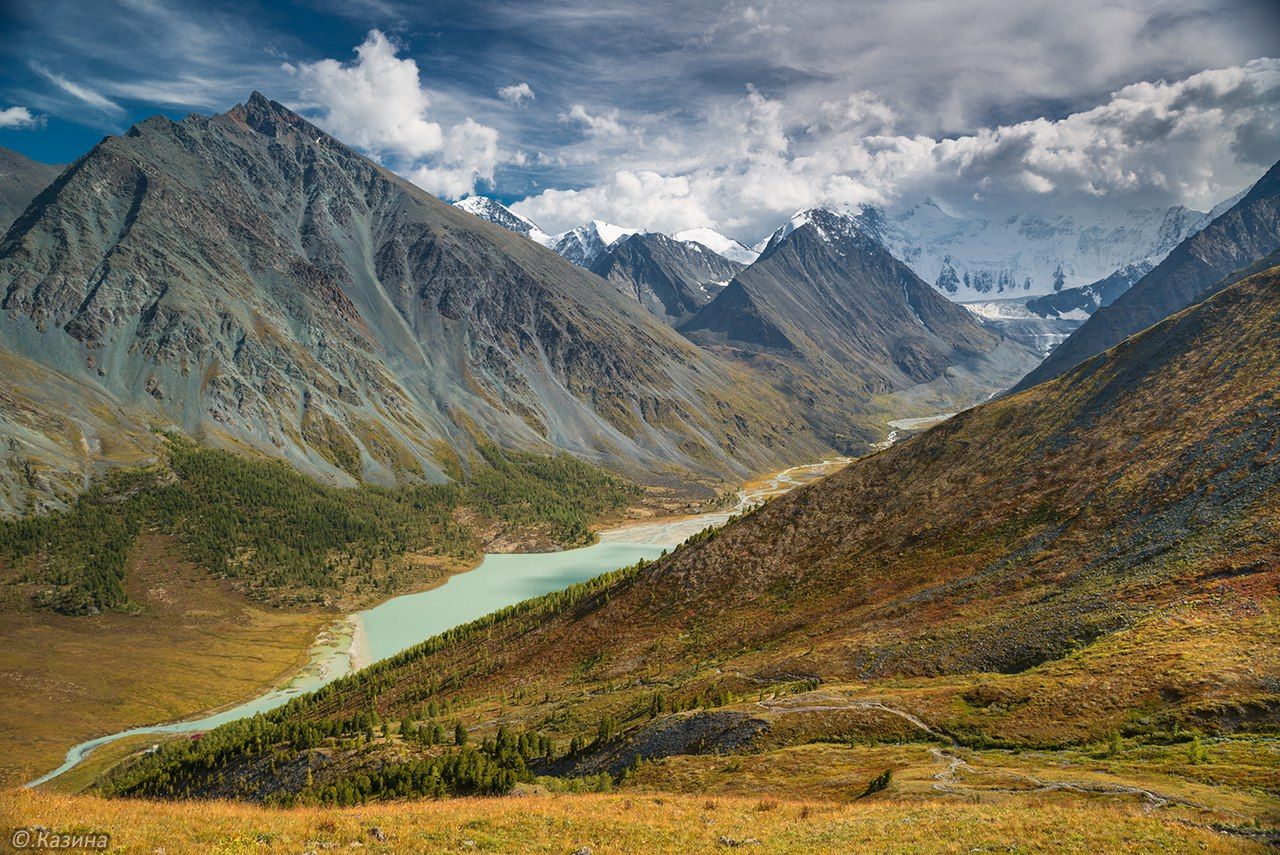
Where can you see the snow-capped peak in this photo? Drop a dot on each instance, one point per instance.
(831, 224)
(719, 244)
(585, 244)
(1021, 255)
(500, 215)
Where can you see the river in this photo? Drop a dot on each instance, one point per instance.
(499, 580)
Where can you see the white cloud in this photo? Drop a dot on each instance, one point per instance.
(15, 118)
(83, 93)
(469, 154)
(378, 104)
(516, 93)
(1192, 141)
(602, 124)
(862, 111)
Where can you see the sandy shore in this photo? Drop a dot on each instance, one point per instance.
(670, 531)
(358, 650)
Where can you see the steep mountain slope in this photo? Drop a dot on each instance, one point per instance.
(670, 278)
(1094, 556)
(501, 215)
(827, 309)
(21, 178)
(1247, 232)
(254, 281)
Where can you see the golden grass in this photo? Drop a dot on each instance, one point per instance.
(195, 645)
(621, 824)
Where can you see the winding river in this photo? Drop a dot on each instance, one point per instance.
(498, 581)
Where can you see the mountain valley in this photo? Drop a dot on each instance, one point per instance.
(609, 429)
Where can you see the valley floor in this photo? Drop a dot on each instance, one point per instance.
(196, 644)
(638, 822)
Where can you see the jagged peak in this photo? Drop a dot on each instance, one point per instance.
(829, 224)
(273, 119)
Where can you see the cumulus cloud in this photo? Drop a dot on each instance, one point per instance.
(1194, 141)
(17, 118)
(516, 93)
(469, 154)
(378, 104)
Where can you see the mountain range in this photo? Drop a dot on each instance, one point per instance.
(250, 281)
(1025, 255)
(1043, 573)
(1242, 235)
(1068, 265)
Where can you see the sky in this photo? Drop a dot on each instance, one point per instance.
(671, 115)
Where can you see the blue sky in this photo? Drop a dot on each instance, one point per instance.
(677, 114)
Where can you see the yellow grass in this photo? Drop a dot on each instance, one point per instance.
(623, 823)
(195, 645)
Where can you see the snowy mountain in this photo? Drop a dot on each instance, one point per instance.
(587, 243)
(1022, 255)
(671, 278)
(721, 245)
(829, 224)
(501, 215)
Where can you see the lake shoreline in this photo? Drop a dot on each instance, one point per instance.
(359, 639)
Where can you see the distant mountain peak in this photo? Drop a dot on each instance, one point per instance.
(718, 243)
(499, 214)
(1022, 255)
(669, 277)
(830, 224)
(588, 242)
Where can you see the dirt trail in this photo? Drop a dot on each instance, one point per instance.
(948, 778)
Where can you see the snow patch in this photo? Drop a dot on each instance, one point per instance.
(719, 244)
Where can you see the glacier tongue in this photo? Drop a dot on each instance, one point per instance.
(1011, 317)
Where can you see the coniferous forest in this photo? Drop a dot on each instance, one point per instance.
(287, 538)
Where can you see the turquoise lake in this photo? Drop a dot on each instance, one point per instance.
(498, 581)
